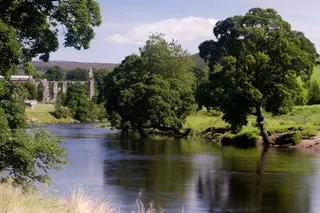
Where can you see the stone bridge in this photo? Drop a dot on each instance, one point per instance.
(51, 89)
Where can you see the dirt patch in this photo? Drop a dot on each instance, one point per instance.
(311, 145)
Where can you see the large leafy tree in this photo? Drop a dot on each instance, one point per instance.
(29, 29)
(256, 63)
(153, 90)
(55, 74)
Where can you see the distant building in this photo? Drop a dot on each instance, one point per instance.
(19, 78)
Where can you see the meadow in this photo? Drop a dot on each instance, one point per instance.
(43, 114)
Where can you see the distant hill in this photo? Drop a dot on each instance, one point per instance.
(69, 65)
(198, 60)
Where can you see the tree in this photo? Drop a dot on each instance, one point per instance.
(99, 75)
(256, 62)
(29, 69)
(19, 150)
(314, 93)
(31, 90)
(77, 100)
(55, 74)
(30, 29)
(153, 90)
(78, 74)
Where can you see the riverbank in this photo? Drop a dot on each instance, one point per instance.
(14, 200)
(303, 120)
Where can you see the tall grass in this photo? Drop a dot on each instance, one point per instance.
(14, 200)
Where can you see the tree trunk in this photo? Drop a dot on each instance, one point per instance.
(260, 168)
(260, 123)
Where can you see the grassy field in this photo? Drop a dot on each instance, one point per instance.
(42, 113)
(303, 118)
(14, 200)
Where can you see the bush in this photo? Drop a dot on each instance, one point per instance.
(62, 112)
(97, 112)
(314, 93)
(243, 140)
(289, 138)
(31, 90)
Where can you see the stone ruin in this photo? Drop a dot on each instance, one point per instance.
(51, 89)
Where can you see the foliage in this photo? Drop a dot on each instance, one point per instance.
(20, 149)
(31, 90)
(289, 138)
(204, 96)
(76, 103)
(201, 74)
(256, 63)
(29, 69)
(99, 75)
(31, 28)
(314, 93)
(55, 74)
(9, 48)
(77, 100)
(62, 112)
(153, 90)
(39, 75)
(78, 74)
(243, 140)
(97, 112)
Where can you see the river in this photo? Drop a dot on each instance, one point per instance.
(184, 174)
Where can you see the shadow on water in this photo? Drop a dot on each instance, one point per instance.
(200, 177)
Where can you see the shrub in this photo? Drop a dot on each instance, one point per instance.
(243, 140)
(289, 138)
(97, 112)
(62, 112)
(31, 90)
(314, 93)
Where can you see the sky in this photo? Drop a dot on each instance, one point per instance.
(127, 24)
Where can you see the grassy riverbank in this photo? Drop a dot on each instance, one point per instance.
(13, 200)
(43, 114)
(305, 119)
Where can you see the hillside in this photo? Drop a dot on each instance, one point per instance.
(69, 65)
(198, 60)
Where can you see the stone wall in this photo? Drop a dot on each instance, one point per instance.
(51, 89)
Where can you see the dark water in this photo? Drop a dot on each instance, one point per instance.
(199, 178)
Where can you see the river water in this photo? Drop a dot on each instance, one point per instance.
(184, 174)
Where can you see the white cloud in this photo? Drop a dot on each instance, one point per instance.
(184, 29)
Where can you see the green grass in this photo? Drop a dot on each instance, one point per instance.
(304, 119)
(42, 113)
(316, 73)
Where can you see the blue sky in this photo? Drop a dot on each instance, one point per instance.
(127, 24)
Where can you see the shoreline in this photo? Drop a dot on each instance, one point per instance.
(311, 145)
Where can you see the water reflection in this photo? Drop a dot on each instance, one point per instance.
(202, 178)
